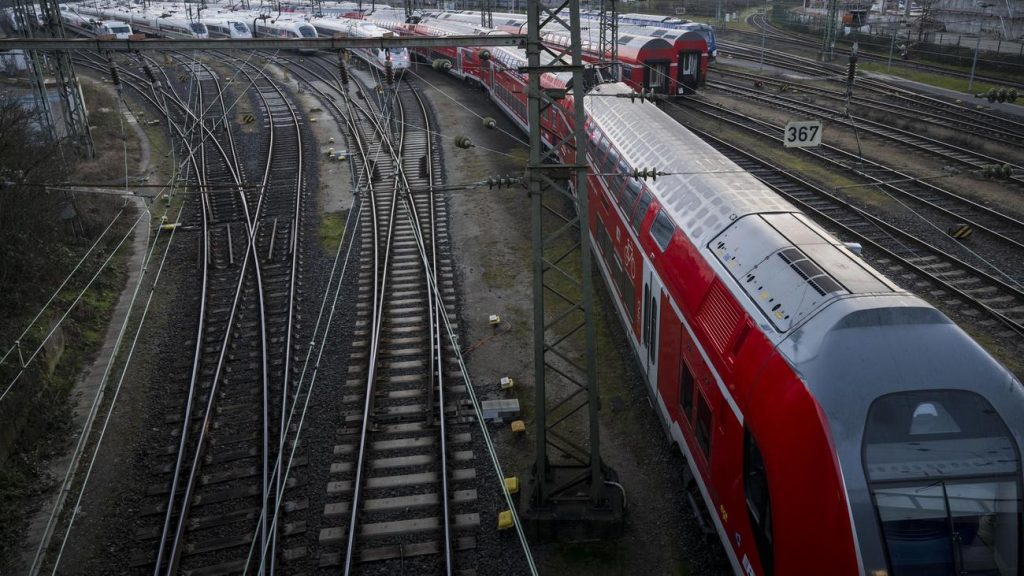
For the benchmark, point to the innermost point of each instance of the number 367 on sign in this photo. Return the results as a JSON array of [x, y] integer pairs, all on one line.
[[802, 134]]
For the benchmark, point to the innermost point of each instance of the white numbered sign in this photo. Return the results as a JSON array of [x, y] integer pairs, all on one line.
[[802, 134]]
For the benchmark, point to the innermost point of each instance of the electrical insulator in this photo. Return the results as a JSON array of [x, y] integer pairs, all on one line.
[[851, 71], [149, 73], [463, 142], [489, 123], [389, 72], [115, 75], [484, 55], [342, 71]]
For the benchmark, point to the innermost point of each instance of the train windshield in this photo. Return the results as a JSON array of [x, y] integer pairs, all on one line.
[[307, 31], [120, 30], [239, 27], [944, 473]]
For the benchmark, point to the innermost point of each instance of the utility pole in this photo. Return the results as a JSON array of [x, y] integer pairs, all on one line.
[[608, 35], [831, 30], [36, 62], [764, 33], [486, 16], [570, 493], [977, 46], [76, 121]]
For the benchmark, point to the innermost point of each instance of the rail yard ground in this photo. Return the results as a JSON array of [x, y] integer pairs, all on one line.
[[486, 246]]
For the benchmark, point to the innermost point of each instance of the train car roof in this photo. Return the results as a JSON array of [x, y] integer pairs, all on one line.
[[787, 267]]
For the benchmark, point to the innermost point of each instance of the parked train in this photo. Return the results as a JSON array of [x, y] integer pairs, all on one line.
[[388, 61], [172, 22], [832, 422], [674, 62], [226, 25], [647, 64]]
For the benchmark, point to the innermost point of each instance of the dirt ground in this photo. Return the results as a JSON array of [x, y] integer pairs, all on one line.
[[491, 237]]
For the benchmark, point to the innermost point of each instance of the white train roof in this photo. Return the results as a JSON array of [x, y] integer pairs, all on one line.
[[787, 266], [705, 191]]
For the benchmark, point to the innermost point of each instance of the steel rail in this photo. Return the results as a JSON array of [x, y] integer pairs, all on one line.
[[857, 165], [888, 229]]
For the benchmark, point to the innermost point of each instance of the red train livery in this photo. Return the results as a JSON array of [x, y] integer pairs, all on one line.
[[833, 423]]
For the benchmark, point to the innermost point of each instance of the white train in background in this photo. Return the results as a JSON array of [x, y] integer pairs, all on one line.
[[227, 25], [378, 58], [167, 20]]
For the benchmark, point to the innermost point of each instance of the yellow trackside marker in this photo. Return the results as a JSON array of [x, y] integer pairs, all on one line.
[[512, 484], [505, 520]]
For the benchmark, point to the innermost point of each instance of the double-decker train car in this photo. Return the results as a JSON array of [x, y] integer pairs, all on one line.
[[670, 64], [389, 61], [831, 422], [802, 386]]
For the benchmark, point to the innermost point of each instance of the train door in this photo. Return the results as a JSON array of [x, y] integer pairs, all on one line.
[[649, 324], [689, 72], [656, 75]]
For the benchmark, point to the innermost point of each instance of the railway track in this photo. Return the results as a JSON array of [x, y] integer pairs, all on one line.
[[954, 155], [953, 285], [904, 104], [402, 492], [204, 506], [774, 33], [941, 206]]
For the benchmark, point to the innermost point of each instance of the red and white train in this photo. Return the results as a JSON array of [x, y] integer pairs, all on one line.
[[663, 61], [646, 63], [833, 423]]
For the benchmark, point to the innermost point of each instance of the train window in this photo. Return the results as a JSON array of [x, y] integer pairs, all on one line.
[[641, 210], [662, 229], [629, 194], [703, 426], [944, 476], [686, 383], [759, 507], [613, 160]]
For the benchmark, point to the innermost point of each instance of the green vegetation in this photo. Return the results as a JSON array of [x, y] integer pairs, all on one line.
[[43, 235], [332, 228], [930, 78]]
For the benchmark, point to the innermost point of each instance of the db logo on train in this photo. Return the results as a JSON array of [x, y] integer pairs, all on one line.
[[630, 261]]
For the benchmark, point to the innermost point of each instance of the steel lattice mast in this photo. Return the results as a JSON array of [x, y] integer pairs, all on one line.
[[831, 30], [37, 63], [568, 492], [76, 120], [486, 15], [608, 34]]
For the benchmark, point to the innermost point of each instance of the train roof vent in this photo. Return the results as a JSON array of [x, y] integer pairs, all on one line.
[[625, 39], [789, 267]]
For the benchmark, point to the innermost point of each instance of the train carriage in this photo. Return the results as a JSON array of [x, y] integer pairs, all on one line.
[[647, 62], [803, 388], [226, 26], [393, 61], [830, 421]]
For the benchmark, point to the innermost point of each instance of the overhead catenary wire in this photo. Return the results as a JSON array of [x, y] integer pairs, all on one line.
[[60, 288], [76, 509], [67, 312]]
